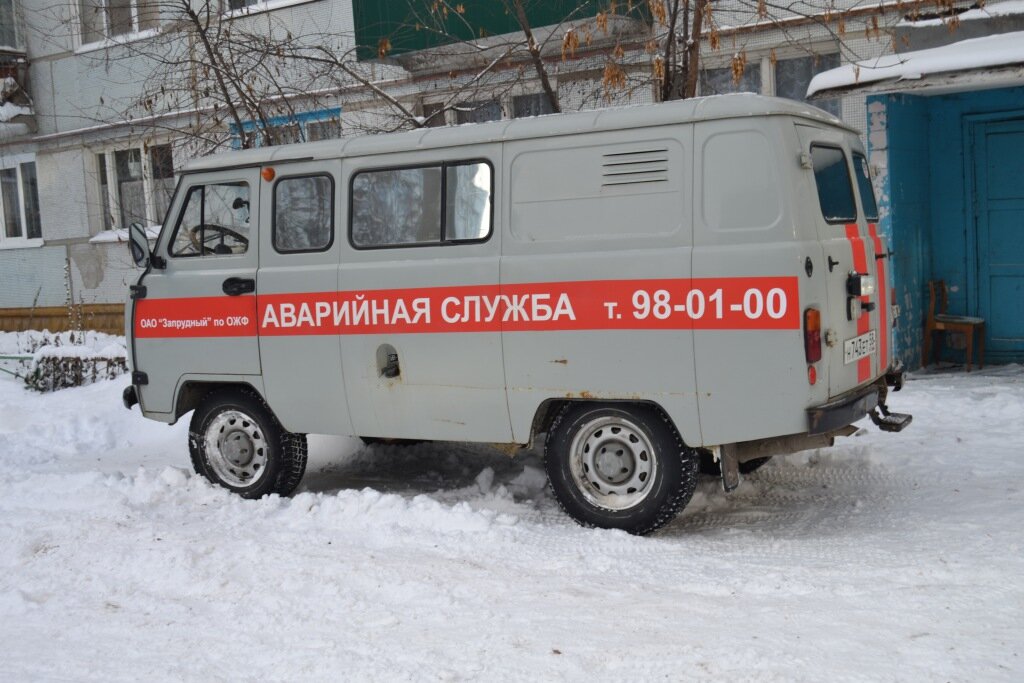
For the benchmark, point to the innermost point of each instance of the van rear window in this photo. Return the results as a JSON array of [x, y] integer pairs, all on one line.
[[835, 191], [867, 192], [422, 206]]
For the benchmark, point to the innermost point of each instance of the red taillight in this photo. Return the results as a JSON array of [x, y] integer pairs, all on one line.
[[812, 375], [812, 335]]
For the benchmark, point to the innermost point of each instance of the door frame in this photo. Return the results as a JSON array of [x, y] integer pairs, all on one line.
[[971, 127]]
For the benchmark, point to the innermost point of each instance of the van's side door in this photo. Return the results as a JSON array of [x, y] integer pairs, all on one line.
[[301, 230], [852, 322], [197, 317], [421, 350]]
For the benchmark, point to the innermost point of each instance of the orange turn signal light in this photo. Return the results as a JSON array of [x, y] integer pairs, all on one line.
[[268, 173]]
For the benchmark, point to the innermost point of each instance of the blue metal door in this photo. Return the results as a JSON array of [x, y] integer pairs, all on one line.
[[999, 217]]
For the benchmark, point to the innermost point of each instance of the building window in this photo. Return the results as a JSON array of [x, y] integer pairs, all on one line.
[[161, 164], [433, 115], [103, 19], [792, 76], [413, 207], [8, 28], [136, 185], [478, 112], [19, 204], [536, 104], [721, 81], [284, 130]]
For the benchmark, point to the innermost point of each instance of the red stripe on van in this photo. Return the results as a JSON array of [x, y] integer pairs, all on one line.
[[860, 264], [740, 303], [203, 316], [883, 295]]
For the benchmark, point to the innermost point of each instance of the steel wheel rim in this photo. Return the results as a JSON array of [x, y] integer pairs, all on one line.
[[236, 448], [612, 463]]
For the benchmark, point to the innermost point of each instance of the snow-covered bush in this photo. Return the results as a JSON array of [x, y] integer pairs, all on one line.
[[65, 359]]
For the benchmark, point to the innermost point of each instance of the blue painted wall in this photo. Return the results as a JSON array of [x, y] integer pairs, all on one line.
[[905, 210], [925, 200]]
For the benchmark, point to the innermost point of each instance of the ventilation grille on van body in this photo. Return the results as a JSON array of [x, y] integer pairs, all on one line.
[[636, 167]]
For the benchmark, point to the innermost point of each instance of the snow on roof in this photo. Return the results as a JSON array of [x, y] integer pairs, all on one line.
[[977, 53], [995, 9]]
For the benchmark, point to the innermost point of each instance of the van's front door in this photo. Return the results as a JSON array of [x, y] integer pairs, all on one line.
[[197, 315], [855, 325]]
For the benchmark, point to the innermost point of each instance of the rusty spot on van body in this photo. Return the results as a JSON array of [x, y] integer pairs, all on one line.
[[560, 361]]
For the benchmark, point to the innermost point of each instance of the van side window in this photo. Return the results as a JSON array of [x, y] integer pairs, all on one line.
[[835, 190], [426, 205], [468, 204], [867, 192], [214, 221], [303, 213]]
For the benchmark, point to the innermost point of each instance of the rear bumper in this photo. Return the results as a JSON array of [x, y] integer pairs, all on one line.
[[843, 411]]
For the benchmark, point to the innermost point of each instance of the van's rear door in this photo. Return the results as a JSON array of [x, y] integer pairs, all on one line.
[[855, 341]]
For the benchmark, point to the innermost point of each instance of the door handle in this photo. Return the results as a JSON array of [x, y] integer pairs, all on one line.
[[235, 286]]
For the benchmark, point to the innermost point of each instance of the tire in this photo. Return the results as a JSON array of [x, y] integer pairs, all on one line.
[[709, 467], [237, 443], [619, 467]]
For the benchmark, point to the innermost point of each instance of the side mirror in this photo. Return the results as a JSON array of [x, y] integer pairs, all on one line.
[[138, 244]]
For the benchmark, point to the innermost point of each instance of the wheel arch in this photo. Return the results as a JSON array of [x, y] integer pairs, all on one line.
[[548, 410], [191, 392]]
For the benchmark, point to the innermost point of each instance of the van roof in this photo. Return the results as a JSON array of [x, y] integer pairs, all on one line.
[[612, 118]]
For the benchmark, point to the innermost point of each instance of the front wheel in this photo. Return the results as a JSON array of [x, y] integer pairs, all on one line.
[[619, 467], [236, 442]]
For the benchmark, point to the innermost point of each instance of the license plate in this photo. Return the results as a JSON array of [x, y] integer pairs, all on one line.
[[859, 347]]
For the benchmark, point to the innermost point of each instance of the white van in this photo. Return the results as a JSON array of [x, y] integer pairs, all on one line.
[[639, 287]]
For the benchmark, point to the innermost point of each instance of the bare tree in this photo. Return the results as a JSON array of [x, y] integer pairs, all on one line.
[[222, 78]]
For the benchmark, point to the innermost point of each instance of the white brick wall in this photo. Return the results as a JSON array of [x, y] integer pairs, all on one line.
[[28, 275]]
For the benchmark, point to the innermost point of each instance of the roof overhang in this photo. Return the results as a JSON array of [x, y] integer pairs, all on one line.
[[934, 84], [995, 61]]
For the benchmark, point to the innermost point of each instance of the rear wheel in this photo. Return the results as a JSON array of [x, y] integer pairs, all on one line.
[[619, 467], [236, 442]]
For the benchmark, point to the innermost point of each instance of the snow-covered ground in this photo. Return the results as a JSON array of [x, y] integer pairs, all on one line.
[[889, 557]]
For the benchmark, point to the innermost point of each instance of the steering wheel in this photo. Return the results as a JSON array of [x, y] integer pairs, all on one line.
[[211, 232]]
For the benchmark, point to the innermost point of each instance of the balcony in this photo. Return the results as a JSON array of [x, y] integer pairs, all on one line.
[[16, 114]]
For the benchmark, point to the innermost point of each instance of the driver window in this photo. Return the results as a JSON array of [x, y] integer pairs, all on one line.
[[214, 221]]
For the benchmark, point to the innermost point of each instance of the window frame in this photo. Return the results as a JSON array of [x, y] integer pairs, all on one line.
[[181, 216], [111, 199], [849, 184], [273, 214], [443, 165], [257, 7], [108, 40], [22, 241], [252, 127]]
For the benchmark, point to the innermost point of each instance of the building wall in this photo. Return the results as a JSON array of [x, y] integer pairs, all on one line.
[[32, 276], [898, 145], [919, 146]]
